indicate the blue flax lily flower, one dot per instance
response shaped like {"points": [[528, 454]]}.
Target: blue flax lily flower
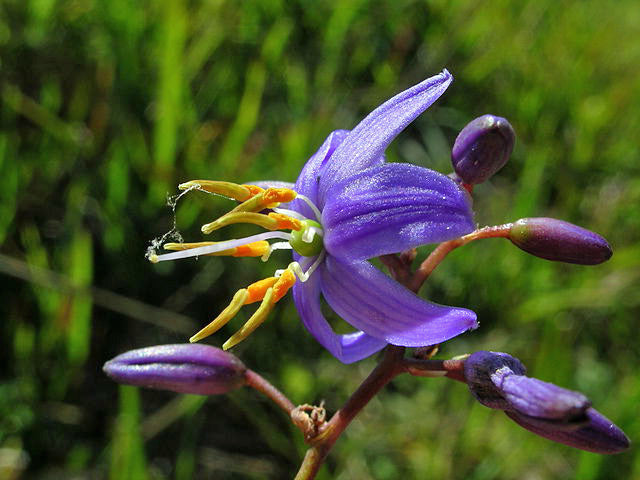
{"points": [[348, 206]]}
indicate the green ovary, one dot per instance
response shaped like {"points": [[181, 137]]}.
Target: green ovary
{"points": [[307, 249]]}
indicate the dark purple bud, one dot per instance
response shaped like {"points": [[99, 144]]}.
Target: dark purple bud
{"points": [[478, 370], [482, 148], [598, 434], [559, 241], [184, 368], [497, 380]]}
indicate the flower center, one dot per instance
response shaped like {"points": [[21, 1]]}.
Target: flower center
{"points": [[308, 240]]}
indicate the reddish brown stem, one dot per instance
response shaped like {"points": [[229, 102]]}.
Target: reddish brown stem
{"points": [[263, 386], [442, 250]]}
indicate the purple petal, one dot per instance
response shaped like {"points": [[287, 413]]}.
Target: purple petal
{"points": [[307, 183], [539, 399], [393, 207], [184, 368], [600, 435], [272, 184], [347, 348], [381, 307], [370, 138]]}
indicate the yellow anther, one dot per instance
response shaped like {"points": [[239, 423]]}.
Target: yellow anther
{"points": [[227, 189], [257, 290], [282, 286], [285, 222], [254, 322], [255, 249], [270, 290], [222, 319], [260, 219], [254, 189], [269, 198]]}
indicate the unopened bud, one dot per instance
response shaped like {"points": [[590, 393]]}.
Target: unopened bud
{"points": [[497, 381], [482, 148], [598, 434], [184, 368], [559, 241]]}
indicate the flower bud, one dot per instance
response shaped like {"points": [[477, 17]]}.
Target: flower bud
{"points": [[598, 434], [559, 241], [482, 148], [183, 368], [497, 381]]}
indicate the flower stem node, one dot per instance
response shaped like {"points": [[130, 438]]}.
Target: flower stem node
{"points": [[559, 241], [482, 148], [183, 368]]}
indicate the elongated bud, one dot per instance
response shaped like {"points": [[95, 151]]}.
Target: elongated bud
{"points": [[183, 368], [482, 148], [497, 381], [559, 241], [598, 434]]}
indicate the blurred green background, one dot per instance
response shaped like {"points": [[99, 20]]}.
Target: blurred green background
{"points": [[107, 105]]}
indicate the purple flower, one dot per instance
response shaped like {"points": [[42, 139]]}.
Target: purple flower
{"points": [[352, 206], [183, 368], [497, 381]]}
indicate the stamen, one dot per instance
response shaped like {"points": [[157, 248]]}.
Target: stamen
{"points": [[254, 322], [297, 269], [221, 320], [290, 213], [226, 189], [257, 290], [272, 221], [255, 249], [312, 206], [276, 246], [271, 197], [218, 247]]}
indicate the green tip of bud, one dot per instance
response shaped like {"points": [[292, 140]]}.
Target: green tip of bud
{"points": [[559, 241]]}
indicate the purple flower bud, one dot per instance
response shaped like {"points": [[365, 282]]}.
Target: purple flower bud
{"points": [[482, 148], [497, 381], [183, 368], [559, 241], [598, 434]]}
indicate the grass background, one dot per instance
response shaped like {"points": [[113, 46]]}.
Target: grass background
{"points": [[106, 106]]}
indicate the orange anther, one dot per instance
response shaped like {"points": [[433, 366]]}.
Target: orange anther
{"points": [[255, 249], [282, 286], [253, 189], [258, 289], [278, 195], [285, 222]]}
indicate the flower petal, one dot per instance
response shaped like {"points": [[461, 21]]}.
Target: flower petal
{"points": [[347, 348], [307, 183], [370, 138], [272, 184], [392, 207], [381, 307]]}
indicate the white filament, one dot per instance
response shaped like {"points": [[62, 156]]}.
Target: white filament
{"points": [[276, 246], [312, 206], [297, 269], [218, 247]]}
